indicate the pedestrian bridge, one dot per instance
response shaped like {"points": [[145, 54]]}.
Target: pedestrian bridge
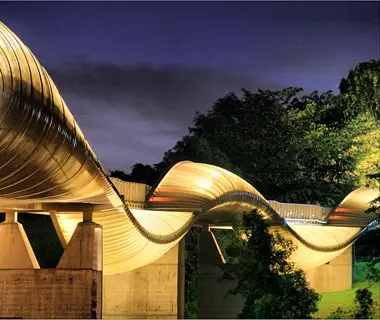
{"points": [[48, 167]]}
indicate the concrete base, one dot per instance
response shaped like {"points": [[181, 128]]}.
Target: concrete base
{"points": [[85, 248], [149, 292], [50, 294], [16, 251], [212, 300], [72, 291], [334, 276]]}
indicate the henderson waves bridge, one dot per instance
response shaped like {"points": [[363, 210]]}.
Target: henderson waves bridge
{"points": [[47, 167]]}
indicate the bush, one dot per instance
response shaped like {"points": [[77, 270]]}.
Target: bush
{"points": [[364, 304]]}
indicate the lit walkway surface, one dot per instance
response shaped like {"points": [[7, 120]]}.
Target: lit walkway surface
{"points": [[47, 167]]}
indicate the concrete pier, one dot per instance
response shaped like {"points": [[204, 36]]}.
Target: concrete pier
{"points": [[84, 251], [333, 276], [73, 290], [16, 251], [149, 292], [212, 300]]}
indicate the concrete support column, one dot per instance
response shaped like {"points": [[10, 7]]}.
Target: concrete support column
{"points": [[149, 292], [212, 300], [58, 230], [16, 251], [71, 291], [11, 217], [84, 252], [333, 276], [85, 248], [87, 216], [181, 280]]}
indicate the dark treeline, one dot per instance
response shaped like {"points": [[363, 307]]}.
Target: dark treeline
{"points": [[291, 147]]}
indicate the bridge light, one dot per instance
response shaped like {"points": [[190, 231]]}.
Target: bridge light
{"points": [[205, 184]]}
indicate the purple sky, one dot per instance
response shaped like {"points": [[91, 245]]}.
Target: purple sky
{"points": [[134, 73]]}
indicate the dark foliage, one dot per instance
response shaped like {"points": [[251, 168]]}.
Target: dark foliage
{"points": [[364, 304], [140, 173], [191, 273], [361, 88], [258, 263]]}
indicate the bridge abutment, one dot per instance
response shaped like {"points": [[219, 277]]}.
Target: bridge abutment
{"points": [[150, 292], [212, 300], [16, 251], [73, 290], [333, 276], [85, 248]]}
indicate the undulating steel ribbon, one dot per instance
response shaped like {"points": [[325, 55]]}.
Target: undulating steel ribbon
{"points": [[45, 158]]}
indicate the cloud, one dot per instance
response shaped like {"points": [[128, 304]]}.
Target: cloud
{"points": [[136, 113]]}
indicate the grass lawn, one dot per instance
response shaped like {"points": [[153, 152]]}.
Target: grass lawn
{"points": [[345, 299]]}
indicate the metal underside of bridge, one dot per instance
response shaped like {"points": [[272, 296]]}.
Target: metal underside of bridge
{"points": [[47, 167]]}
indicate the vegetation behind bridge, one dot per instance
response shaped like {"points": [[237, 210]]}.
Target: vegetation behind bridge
{"points": [[311, 148]]}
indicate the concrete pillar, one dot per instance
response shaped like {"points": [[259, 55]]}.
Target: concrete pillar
{"points": [[149, 292], [85, 248], [72, 291], [181, 279], [11, 217], [16, 251], [333, 276], [212, 300], [87, 216], [58, 230], [84, 253]]}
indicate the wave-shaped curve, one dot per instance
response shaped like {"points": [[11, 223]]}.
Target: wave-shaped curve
{"points": [[47, 160]]}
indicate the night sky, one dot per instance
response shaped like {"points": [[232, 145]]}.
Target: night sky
{"points": [[134, 73]]}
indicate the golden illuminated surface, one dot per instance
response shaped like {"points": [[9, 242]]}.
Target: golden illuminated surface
{"points": [[45, 159], [47, 166]]}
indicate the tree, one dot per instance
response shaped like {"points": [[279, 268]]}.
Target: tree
{"points": [[306, 149], [374, 182], [339, 313], [143, 173], [258, 263], [364, 304], [361, 92], [197, 149], [361, 88], [373, 274], [254, 133], [291, 148], [140, 173], [365, 248], [191, 274], [363, 308], [120, 175]]}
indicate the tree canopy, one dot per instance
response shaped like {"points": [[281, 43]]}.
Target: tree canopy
{"points": [[258, 262], [291, 148], [361, 88], [313, 147]]}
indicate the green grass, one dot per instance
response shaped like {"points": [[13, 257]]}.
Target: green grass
{"points": [[345, 299]]}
